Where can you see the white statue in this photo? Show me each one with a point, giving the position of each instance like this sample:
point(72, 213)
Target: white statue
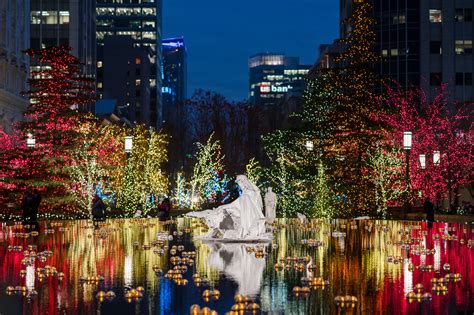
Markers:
point(270, 204)
point(244, 268)
point(242, 219)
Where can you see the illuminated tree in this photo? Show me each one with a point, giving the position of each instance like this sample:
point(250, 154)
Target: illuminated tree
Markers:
point(144, 180)
point(338, 121)
point(439, 130)
point(208, 161)
point(388, 176)
point(54, 118)
point(95, 163)
point(180, 191)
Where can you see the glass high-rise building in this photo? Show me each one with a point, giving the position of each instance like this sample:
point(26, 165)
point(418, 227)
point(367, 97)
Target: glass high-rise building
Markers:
point(272, 76)
point(424, 43)
point(142, 21)
point(66, 22)
point(174, 74)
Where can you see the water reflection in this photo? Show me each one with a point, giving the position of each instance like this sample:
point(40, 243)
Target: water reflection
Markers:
point(235, 262)
point(378, 262)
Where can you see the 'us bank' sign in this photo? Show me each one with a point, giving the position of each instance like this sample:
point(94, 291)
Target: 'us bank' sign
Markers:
point(274, 89)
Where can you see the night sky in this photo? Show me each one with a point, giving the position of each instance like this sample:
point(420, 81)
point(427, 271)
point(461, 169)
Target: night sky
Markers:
point(220, 36)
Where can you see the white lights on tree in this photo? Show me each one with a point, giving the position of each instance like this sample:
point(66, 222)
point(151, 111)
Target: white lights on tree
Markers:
point(30, 141)
point(128, 144)
point(436, 157)
point(407, 139)
point(309, 145)
point(423, 161)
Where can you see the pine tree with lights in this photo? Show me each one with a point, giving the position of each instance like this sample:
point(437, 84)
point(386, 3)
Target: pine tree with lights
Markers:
point(54, 119)
point(337, 127)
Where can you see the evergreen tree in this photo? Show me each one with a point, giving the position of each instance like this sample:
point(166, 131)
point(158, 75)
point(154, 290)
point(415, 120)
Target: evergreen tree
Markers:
point(338, 123)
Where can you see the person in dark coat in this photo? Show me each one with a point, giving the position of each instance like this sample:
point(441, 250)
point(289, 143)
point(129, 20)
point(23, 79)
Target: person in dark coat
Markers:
point(98, 208)
point(27, 205)
point(164, 209)
point(36, 204)
point(428, 207)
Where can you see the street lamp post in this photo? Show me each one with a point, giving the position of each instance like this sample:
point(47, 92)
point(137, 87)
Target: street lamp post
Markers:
point(423, 161)
point(407, 144)
point(30, 141)
point(128, 144)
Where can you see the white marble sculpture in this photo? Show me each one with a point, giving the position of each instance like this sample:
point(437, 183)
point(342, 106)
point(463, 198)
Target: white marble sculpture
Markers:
point(241, 220)
point(235, 262)
point(270, 204)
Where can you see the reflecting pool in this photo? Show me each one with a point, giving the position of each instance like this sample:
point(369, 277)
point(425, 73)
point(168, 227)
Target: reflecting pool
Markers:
point(143, 266)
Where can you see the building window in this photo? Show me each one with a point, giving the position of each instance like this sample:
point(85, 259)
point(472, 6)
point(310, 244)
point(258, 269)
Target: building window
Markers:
point(399, 19)
point(394, 52)
point(435, 16)
point(384, 53)
point(435, 79)
point(49, 17)
point(459, 78)
point(463, 78)
point(138, 61)
point(137, 82)
point(463, 15)
point(435, 47)
point(468, 78)
point(99, 85)
point(99, 64)
point(463, 46)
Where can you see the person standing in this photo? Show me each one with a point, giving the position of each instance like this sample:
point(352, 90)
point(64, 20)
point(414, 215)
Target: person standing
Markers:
point(98, 208)
point(35, 205)
point(164, 209)
point(428, 207)
point(27, 205)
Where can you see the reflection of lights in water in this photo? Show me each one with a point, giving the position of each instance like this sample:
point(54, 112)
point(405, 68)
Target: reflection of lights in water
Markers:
point(30, 278)
point(422, 259)
point(407, 278)
point(127, 271)
point(437, 256)
point(342, 244)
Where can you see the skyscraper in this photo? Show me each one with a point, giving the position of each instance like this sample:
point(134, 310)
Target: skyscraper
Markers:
point(424, 43)
point(174, 74)
point(272, 76)
point(14, 38)
point(65, 22)
point(140, 20)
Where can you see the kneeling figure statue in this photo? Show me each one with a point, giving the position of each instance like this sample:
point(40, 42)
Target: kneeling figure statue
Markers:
point(242, 219)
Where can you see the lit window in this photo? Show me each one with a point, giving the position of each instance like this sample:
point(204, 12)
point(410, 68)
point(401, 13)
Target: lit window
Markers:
point(435, 16)
point(394, 52)
point(137, 82)
point(384, 53)
point(49, 17)
point(138, 61)
point(463, 47)
point(99, 85)
point(99, 64)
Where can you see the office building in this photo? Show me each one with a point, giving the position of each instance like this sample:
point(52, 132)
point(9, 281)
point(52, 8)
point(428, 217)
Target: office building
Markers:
point(141, 21)
point(14, 65)
point(126, 77)
point(174, 74)
point(66, 22)
point(272, 76)
point(424, 43)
